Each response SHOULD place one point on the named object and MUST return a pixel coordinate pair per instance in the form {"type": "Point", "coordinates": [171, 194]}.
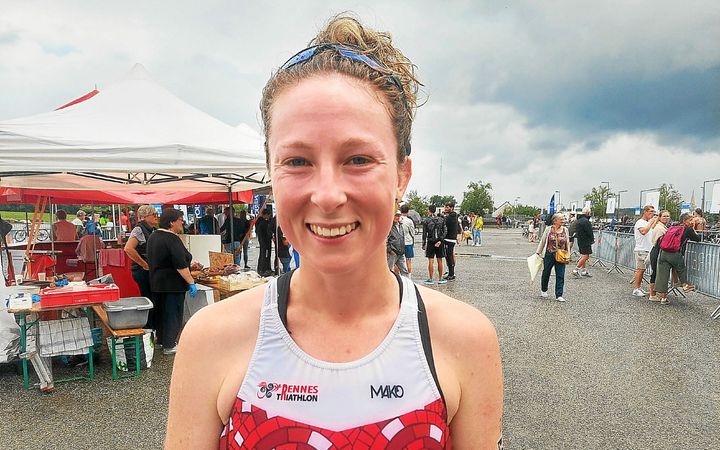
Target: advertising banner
{"type": "Point", "coordinates": [610, 208]}
{"type": "Point", "coordinates": [653, 198]}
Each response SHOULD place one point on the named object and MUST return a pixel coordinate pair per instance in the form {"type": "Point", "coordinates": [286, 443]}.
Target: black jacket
{"type": "Point", "coordinates": [142, 246]}
{"type": "Point", "coordinates": [263, 232]}
{"type": "Point", "coordinates": [166, 254]}
{"type": "Point", "coordinates": [239, 229]}
{"type": "Point", "coordinates": [396, 240]}
{"type": "Point", "coordinates": [584, 231]}
{"type": "Point", "coordinates": [451, 222]}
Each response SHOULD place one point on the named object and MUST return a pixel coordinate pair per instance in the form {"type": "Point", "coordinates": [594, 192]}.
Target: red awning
{"type": "Point", "coordinates": [23, 195]}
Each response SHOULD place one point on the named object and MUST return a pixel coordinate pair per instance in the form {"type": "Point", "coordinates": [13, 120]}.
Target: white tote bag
{"type": "Point", "coordinates": [535, 262]}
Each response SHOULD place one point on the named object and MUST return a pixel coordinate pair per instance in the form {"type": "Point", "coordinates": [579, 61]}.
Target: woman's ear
{"type": "Point", "coordinates": [404, 174]}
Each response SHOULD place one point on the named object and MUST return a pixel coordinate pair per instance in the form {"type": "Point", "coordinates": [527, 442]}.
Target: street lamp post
{"type": "Point", "coordinates": [515, 210]}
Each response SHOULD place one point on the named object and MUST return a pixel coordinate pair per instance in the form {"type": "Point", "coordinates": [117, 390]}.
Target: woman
{"type": "Point", "coordinates": [669, 259]}
{"type": "Point", "coordinates": [658, 231]}
{"type": "Point", "coordinates": [136, 249]}
{"type": "Point", "coordinates": [169, 276]}
{"type": "Point", "coordinates": [338, 356]}
{"type": "Point", "coordinates": [555, 237]}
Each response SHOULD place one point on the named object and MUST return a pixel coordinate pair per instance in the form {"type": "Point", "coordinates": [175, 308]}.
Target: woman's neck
{"type": "Point", "coordinates": [343, 294]}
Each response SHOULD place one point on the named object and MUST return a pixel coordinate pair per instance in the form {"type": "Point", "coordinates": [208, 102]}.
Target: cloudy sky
{"type": "Point", "coordinates": [531, 96]}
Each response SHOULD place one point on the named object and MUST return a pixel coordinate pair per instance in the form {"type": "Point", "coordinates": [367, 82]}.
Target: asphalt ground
{"type": "Point", "coordinates": [603, 370]}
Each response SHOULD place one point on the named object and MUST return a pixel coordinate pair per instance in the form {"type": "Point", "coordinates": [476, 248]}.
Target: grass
{"type": "Point", "coordinates": [20, 215]}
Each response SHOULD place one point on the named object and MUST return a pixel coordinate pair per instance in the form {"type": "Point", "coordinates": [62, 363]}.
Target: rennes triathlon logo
{"type": "Point", "coordinates": [288, 392]}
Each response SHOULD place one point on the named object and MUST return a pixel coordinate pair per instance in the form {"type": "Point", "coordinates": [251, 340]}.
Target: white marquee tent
{"type": "Point", "coordinates": [132, 139]}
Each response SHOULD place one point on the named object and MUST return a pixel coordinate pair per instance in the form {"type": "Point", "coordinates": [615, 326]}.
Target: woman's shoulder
{"type": "Point", "coordinates": [453, 322]}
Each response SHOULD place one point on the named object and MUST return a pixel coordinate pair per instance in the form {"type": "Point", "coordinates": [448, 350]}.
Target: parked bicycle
{"type": "Point", "coordinates": [21, 235]}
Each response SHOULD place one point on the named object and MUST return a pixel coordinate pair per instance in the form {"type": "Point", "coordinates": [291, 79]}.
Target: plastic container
{"type": "Point", "coordinates": [78, 295]}
{"type": "Point", "coordinates": [128, 312]}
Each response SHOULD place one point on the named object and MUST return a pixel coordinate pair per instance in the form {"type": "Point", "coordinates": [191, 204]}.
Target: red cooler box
{"type": "Point", "coordinates": [78, 295]}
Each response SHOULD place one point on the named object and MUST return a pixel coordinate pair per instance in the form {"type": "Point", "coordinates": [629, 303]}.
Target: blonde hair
{"type": "Point", "coordinates": [348, 31]}
{"type": "Point", "coordinates": [146, 210]}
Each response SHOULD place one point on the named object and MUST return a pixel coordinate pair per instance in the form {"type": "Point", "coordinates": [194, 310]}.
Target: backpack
{"type": "Point", "coordinates": [672, 241]}
{"type": "Point", "coordinates": [435, 227]}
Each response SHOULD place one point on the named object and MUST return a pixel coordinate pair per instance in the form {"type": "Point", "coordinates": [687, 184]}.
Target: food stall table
{"type": "Point", "coordinates": [25, 325]}
{"type": "Point", "coordinates": [221, 289]}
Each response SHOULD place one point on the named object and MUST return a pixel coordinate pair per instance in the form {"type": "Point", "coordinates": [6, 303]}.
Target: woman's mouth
{"type": "Point", "coordinates": [334, 230]}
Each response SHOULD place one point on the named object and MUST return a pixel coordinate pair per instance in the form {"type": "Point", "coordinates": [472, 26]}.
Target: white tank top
{"type": "Point", "coordinates": [388, 399]}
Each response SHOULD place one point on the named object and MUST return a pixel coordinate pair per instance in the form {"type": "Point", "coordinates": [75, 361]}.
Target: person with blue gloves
{"type": "Point", "coordinates": [170, 277]}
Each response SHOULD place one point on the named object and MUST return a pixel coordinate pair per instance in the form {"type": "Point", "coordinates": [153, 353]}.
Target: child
{"type": "Point", "coordinates": [467, 235]}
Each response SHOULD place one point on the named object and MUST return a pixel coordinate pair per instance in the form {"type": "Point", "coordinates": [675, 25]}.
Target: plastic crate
{"type": "Point", "coordinates": [78, 295]}
{"type": "Point", "coordinates": [128, 312]}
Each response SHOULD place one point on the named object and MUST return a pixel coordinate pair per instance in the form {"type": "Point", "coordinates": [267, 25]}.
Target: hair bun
{"type": "Point", "coordinates": [344, 29]}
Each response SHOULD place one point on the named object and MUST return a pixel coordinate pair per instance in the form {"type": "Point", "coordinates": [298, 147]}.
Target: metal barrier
{"type": "Point", "coordinates": [702, 260]}
{"type": "Point", "coordinates": [703, 267]}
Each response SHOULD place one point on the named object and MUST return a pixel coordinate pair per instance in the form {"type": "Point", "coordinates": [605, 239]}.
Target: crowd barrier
{"type": "Point", "coordinates": [701, 258]}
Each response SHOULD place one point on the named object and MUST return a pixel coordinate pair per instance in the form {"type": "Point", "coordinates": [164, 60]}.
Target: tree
{"type": "Point", "coordinates": [419, 204]}
{"type": "Point", "coordinates": [598, 200]}
{"type": "Point", "coordinates": [477, 199]}
{"type": "Point", "coordinates": [522, 210]}
{"type": "Point", "coordinates": [441, 200]}
{"type": "Point", "coordinates": [670, 199]}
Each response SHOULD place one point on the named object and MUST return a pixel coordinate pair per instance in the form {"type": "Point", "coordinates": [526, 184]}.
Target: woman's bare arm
{"type": "Point", "coordinates": [131, 251]}
{"type": "Point", "coordinates": [193, 420]}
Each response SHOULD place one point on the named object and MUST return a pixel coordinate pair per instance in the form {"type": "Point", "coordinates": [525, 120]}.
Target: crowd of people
{"type": "Point", "coordinates": [659, 246]}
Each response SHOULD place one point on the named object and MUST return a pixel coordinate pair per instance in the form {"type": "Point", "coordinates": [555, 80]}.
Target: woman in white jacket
{"type": "Point", "coordinates": [554, 237]}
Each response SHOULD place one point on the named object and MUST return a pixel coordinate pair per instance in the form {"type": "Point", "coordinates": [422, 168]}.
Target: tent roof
{"type": "Point", "coordinates": [134, 135]}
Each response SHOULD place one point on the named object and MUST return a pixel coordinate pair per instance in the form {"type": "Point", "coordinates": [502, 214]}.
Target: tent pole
{"type": "Point", "coordinates": [52, 235]}
{"type": "Point", "coordinates": [232, 224]}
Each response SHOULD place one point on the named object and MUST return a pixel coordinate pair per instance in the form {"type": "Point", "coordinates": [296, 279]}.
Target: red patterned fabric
{"type": "Point", "coordinates": [252, 429]}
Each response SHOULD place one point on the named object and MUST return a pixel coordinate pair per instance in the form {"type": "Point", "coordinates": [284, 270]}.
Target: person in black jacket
{"type": "Point", "coordinates": [136, 250]}
{"type": "Point", "coordinates": [169, 276]}
{"type": "Point", "coordinates": [585, 238]}
{"type": "Point", "coordinates": [453, 229]}
{"type": "Point", "coordinates": [396, 247]}
{"type": "Point", "coordinates": [264, 237]}
{"type": "Point", "coordinates": [239, 227]}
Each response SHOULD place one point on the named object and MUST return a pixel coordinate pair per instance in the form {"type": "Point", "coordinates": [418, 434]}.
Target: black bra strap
{"type": "Point", "coordinates": [283, 289]}
{"type": "Point", "coordinates": [425, 340]}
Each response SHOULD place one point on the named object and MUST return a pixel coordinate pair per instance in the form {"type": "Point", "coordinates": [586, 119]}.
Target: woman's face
{"type": "Point", "coordinates": [152, 219]}
{"type": "Point", "coordinates": [177, 226]}
{"type": "Point", "coordinates": [558, 221]}
{"type": "Point", "coordinates": [665, 218]}
{"type": "Point", "coordinates": [335, 177]}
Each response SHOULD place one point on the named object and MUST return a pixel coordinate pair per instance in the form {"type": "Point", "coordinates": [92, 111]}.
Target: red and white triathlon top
{"type": "Point", "coordinates": [388, 399]}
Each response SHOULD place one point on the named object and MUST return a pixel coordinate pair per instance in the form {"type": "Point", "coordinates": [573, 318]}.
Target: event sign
{"type": "Point", "coordinates": [684, 208]}
{"type": "Point", "coordinates": [611, 202]}
{"type": "Point", "coordinates": [653, 198]}
{"type": "Point", "coordinates": [715, 200]}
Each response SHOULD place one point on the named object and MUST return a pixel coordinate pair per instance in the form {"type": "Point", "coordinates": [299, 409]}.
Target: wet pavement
{"type": "Point", "coordinates": [602, 371]}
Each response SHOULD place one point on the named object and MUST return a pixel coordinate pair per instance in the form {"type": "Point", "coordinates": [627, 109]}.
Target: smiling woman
{"type": "Point", "coordinates": [340, 353]}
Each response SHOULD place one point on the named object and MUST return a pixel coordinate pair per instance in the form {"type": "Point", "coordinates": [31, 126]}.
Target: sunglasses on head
{"type": "Point", "coordinates": [350, 53]}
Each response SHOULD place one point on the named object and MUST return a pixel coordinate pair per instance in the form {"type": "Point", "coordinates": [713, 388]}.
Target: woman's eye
{"type": "Point", "coordinates": [296, 162]}
{"type": "Point", "coordinates": [359, 160]}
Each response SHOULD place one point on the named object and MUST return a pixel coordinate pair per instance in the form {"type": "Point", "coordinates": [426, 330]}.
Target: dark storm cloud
{"type": "Point", "coordinates": [673, 105]}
